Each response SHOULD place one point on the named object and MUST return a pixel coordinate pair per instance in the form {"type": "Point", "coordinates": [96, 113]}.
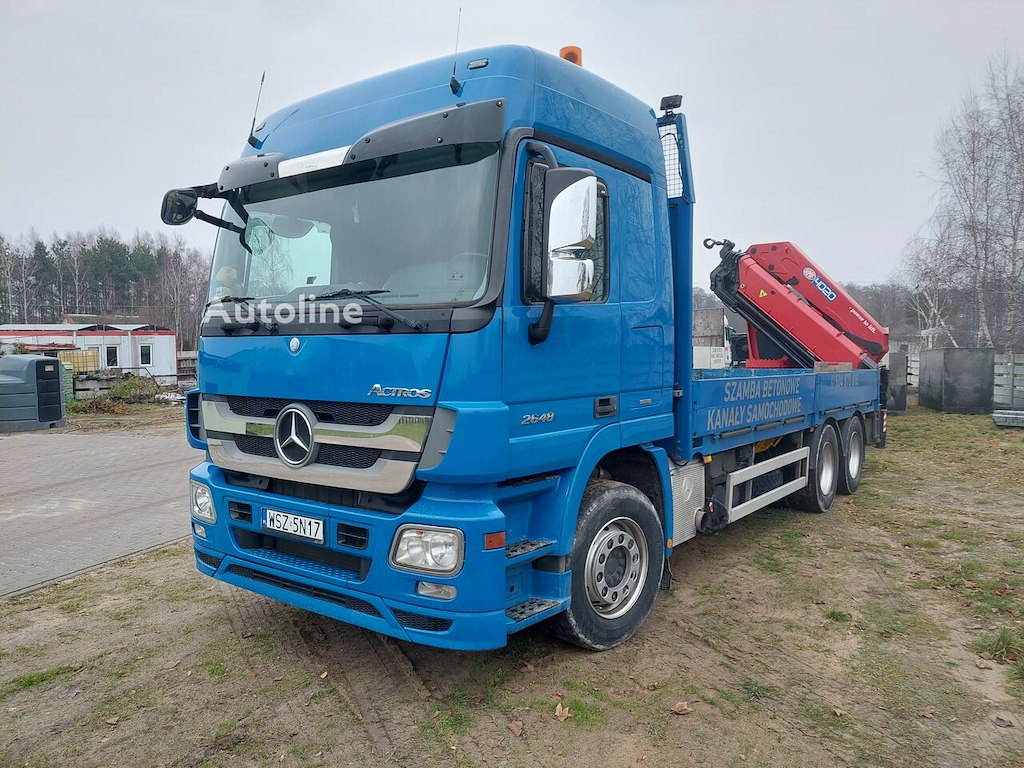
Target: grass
{"type": "Point", "coordinates": [215, 667]}
{"type": "Point", "coordinates": [795, 543]}
{"type": "Point", "coordinates": [656, 731]}
{"type": "Point", "coordinates": [726, 702]}
{"type": "Point", "coordinates": [263, 641]}
{"type": "Point", "coordinates": [1017, 669]}
{"type": "Point", "coordinates": [31, 679]}
{"type": "Point", "coordinates": [965, 536]}
{"type": "Point", "coordinates": [125, 613]}
{"type": "Point", "coordinates": [840, 617]}
{"type": "Point", "coordinates": [926, 435]}
{"type": "Point", "coordinates": [449, 722]}
{"type": "Point", "coordinates": [767, 561]}
{"type": "Point", "coordinates": [589, 689]}
{"type": "Point", "coordinates": [585, 713]}
{"type": "Point", "coordinates": [1006, 645]}
{"type": "Point", "coordinates": [183, 590]}
{"type": "Point", "coordinates": [755, 691]}
{"type": "Point", "coordinates": [228, 726]}
{"type": "Point", "coordinates": [888, 618]}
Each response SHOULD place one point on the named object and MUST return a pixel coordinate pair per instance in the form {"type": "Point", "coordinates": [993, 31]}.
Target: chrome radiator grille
{"type": "Point", "coordinates": [357, 414]}
{"type": "Point", "coordinates": [360, 446]}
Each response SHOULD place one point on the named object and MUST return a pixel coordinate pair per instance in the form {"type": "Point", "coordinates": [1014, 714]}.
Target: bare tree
{"type": "Point", "coordinates": [1005, 91]}
{"type": "Point", "coordinates": [969, 163]}
{"type": "Point", "coordinates": [974, 242]}
{"type": "Point", "coordinates": [7, 262]}
{"type": "Point", "coordinates": [24, 276]}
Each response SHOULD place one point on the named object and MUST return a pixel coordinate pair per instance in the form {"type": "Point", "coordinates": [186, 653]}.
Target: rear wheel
{"type": "Point", "coordinates": [616, 562]}
{"type": "Point", "coordinates": [823, 471]}
{"type": "Point", "coordinates": [853, 455]}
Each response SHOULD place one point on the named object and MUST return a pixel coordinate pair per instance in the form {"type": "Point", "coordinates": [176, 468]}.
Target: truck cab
{"type": "Point", "coordinates": [444, 382]}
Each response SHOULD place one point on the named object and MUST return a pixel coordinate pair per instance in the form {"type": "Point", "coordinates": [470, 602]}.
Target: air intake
{"type": "Point", "coordinates": [31, 395]}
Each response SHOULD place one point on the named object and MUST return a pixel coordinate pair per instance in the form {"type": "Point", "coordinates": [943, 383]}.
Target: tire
{"type": "Point", "coordinates": [852, 456]}
{"type": "Point", "coordinates": [823, 472]}
{"type": "Point", "coordinates": [617, 526]}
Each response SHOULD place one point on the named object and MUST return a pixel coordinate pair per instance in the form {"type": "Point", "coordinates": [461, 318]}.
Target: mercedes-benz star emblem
{"type": "Point", "coordinates": [293, 435]}
{"type": "Point", "coordinates": [293, 345]}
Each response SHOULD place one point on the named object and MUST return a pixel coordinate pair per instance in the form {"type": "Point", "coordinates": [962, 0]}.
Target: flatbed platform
{"type": "Point", "coordinates": [733, 407]}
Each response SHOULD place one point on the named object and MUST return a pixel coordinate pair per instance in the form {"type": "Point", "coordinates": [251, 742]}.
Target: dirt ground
{"type": "Point", "coordinates": [140, 417]}
{"type": "Point", "coordinates": [868, 636]}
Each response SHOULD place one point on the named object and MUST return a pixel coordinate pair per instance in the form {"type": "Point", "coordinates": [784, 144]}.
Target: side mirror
{"type": "Point", "coordinates": [570, 224]}
{"type": "Point", "coordinates": [569, 279]}
{"type": "Point", "coordinates": [179, 206]}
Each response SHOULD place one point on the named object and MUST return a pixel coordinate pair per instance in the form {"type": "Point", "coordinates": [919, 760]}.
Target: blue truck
{"type": "Point", "coordinates": [498, 422]}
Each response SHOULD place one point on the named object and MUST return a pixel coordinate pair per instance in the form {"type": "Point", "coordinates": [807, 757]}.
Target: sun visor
{"type": "Point", "coordinates": [481, 121]}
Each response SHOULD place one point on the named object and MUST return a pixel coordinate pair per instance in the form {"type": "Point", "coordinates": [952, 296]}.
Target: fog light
{"type": "Point", "coordinates": [440, 591]}
{"type": "Point", "coordinates": [199, 530]}
{"type": "Point", "coordinates": [435, 550]}
{"type": "Point", "coordinates": [202, 503]}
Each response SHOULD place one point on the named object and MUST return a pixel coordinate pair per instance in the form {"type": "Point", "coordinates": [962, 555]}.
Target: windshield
{"type": "Point", "coordinates": [415, 226]}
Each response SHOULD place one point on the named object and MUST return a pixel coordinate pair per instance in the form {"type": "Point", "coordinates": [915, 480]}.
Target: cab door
{"type": "Point", "coordinates": [560, 391]}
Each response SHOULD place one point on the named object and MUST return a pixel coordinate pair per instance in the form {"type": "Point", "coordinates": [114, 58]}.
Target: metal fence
{"type": "Point", "coordinates": [1009, 386]}
{"type": "Point", "coordinates": [1009, 389]}
{"type": "Point", "coordinates": [913, 370]}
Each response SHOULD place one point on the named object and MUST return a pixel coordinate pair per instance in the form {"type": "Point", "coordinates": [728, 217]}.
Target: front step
{"type": "Point", "coordinates": [530, 610]}
{"type": "Point", "coordinates": [521, 549]}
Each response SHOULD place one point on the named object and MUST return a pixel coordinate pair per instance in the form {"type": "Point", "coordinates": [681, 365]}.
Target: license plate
{"type": "Point", "coordinates": [294, 525]}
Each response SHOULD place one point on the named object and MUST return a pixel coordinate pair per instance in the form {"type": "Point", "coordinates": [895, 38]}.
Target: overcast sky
{"type": "Point", "coordinates": [812, 121]}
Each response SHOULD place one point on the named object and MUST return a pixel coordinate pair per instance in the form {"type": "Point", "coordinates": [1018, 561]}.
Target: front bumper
{"type": "Point", "coordinates": [349, 577]}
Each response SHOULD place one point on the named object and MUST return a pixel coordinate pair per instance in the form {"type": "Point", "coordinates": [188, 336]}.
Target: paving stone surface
{"type": "Point", "coordinates": [73, 501]}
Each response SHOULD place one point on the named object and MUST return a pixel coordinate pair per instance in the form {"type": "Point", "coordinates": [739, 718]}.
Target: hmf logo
{"type": "Point", "coordinates": [821, 285]}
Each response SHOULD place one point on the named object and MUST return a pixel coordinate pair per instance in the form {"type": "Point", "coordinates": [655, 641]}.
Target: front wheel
{"type": "Point", "coordinates": [853, 455]}
{"type": "Point", "coordinates": [616, 561]}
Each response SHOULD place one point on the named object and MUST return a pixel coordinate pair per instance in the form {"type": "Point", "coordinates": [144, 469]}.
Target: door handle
{"type": "Point", "coordinates": [605, 406]}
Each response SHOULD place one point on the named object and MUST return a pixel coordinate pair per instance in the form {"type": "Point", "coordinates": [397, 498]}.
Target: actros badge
{"type": "Point", "coordinates": [380, 391]}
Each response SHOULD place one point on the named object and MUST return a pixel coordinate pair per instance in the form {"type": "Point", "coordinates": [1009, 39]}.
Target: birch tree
{"type": "Point", "coordinates": [975, 238]}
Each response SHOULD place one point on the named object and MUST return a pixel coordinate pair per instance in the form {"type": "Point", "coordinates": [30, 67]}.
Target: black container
{"type": "Point", "coordinates": [957, 380]}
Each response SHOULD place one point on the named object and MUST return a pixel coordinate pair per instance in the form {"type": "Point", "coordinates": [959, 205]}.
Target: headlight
{"type": "Point", "coordinates": [434, 550]}
{"type": "Point", "coordinates": [202, 503]}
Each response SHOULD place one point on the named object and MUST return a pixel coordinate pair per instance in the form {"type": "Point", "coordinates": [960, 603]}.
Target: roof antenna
{"type": "Point", "coordinates": [454, 82]}
{"type": "Point", "coordinates": [253, 141]}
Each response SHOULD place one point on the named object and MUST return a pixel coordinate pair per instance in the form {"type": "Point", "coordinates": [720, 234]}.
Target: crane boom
{"type": "Point", "coordinates": [796, 315]}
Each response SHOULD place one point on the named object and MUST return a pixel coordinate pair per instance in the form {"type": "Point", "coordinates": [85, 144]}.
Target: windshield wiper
{"type": "Point", "coordinates": [226, 299]}
{"type": "Point", "coordinates": [367, 296]}
{"type": "Point", "coordinates": [252, 325]}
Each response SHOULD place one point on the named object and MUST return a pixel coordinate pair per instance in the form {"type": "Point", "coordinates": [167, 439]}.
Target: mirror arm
{"type": "Point", "coordinates": [544, 151]}
{"type": "Point", "coordinates": [208, 191]}
{"type": "Point", "coordinates": [203, 216]}
{"type": "Point", "coordinates": [540, 330]}
{"type": "Point", "coordinates": [238, 208]}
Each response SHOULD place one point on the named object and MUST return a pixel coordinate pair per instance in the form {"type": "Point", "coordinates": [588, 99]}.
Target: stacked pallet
{"type": "Point", "coordinates": [1008, 418]}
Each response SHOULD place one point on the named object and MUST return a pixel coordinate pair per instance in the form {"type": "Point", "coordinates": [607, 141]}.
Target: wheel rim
{"type": "Point", "coordinates": [616, 567]}
{"type": "Point", "coordinates": [826, 467]}
{"type": "Point", "coordinates": [853, 462]}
